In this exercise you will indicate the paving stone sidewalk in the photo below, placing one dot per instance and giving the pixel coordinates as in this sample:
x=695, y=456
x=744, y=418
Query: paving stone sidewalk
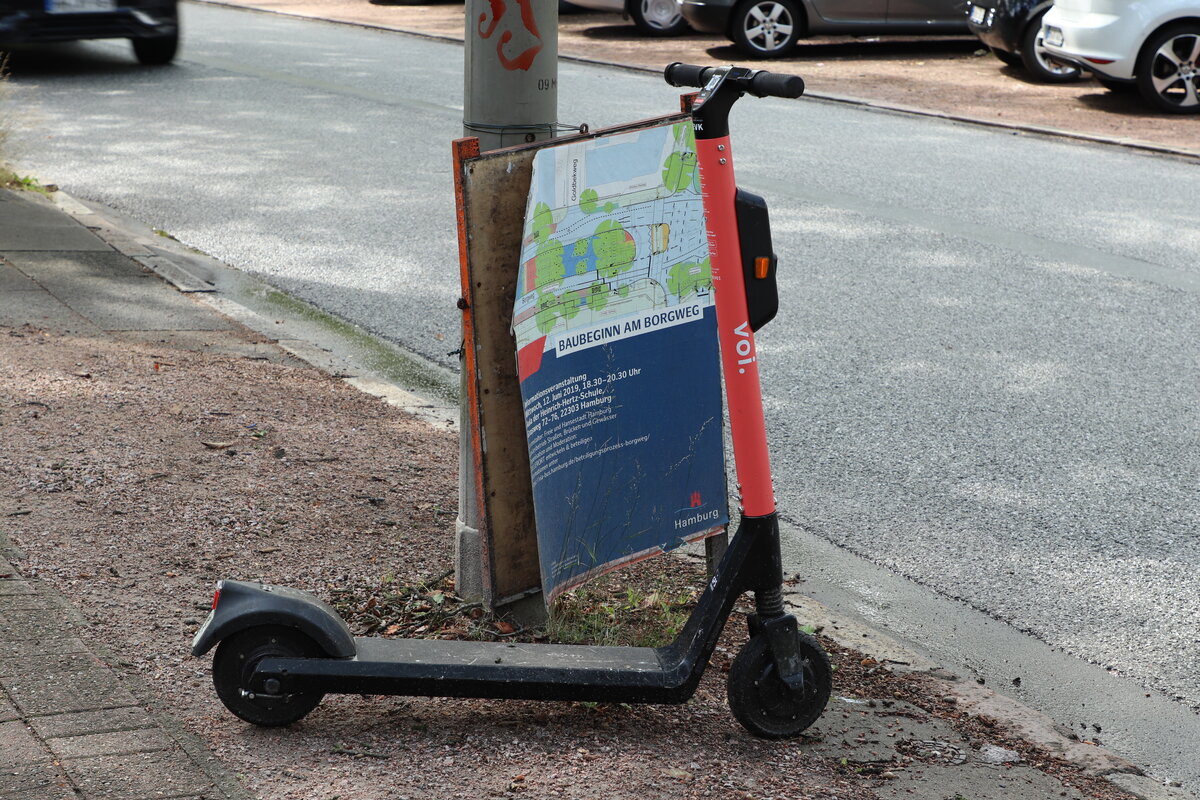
x=70, y=727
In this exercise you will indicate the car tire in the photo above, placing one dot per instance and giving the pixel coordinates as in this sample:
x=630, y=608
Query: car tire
x=153, y=51
x=1011, y=59
x=766, y=28
x=1167, y=69
x=1044, y=67
x=657, y=17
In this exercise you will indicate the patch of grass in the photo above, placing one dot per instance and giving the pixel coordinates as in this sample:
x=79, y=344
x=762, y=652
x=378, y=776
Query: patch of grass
x=632, y=616
x=27, y=183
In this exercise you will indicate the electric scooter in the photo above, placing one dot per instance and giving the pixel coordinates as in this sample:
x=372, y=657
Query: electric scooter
x=280, y=650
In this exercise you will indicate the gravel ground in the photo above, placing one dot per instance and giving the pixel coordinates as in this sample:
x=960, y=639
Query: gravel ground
x=147, y=479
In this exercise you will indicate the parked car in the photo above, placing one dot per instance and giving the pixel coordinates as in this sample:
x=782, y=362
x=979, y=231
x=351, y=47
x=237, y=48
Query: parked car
x=771, y=28
x=1151, y=44
x=1012, y=29
x=152, y=26
x=652, y=17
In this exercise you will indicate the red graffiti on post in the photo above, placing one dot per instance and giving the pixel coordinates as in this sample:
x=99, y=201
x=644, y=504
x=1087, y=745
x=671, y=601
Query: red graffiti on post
x=528, y=27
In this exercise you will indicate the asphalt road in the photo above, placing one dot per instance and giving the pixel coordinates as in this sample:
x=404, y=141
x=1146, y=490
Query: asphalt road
x=985, y=375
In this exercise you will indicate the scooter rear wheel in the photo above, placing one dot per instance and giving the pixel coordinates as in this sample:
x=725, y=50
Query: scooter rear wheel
x=763, y=703
x=233, y=668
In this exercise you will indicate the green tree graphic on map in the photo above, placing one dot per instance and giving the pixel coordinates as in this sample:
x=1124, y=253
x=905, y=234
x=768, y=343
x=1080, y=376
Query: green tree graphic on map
x=580, y=251
x=597, y=296
x=549, y=263
x=678, y=170
x=684, y=279
x=543, y=221
x=547, y=311
x=613, y=248
x=587, y=201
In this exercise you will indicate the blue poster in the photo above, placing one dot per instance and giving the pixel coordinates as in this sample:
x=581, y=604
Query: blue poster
x=617, y=354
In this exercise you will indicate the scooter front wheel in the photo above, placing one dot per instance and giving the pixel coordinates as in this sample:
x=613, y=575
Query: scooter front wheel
x=763, y=703
x=233, y=669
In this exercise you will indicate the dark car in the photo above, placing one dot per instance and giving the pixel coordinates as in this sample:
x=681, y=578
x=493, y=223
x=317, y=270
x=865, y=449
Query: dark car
x=152, y=26
x=1012, y=29
x=771, y=28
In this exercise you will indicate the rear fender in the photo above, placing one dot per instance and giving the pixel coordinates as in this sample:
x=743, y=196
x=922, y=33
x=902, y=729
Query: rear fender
x=243, y=605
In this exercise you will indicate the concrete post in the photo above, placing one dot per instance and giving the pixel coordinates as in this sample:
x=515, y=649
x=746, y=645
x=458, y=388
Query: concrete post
x=511, y=75
x=510, y=97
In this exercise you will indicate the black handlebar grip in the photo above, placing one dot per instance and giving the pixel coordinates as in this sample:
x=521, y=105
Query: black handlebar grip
x=775, y=84
x=687, y=74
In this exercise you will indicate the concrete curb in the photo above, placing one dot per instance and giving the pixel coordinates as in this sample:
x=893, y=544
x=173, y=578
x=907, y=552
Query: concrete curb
x=873, y=105
x=1021, y=721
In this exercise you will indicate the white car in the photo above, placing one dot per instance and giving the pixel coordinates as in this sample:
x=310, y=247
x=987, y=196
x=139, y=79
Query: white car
x=1153, y=44
x=652, y=17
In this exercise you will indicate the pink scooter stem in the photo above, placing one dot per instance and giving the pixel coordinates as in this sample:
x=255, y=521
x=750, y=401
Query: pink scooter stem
x=739, y=356
x=721, y=88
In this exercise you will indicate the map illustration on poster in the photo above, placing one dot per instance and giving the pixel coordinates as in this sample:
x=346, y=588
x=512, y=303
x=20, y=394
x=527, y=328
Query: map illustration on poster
x=617, y=354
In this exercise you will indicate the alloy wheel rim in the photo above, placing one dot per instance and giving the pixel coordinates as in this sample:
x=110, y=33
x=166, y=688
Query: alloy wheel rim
x=1175, y=70
x=660, y=14
x=768, y=25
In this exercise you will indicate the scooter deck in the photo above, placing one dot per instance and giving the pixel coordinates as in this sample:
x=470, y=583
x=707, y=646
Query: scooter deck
x=437, y=668
x=509, y=670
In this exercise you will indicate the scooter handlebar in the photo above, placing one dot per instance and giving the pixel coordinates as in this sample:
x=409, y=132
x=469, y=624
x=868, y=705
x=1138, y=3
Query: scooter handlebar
x=678, y=74
x=760, y=84
x=776, y=84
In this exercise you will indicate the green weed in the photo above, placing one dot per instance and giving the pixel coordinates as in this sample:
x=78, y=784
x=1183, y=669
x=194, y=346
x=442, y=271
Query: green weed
x=25, y=182
x=628, y=616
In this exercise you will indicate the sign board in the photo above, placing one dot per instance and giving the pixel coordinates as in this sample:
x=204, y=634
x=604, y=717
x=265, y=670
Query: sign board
x=617, y=353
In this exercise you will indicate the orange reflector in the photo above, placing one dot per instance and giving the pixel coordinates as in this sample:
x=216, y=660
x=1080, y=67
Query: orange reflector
x=762, y=266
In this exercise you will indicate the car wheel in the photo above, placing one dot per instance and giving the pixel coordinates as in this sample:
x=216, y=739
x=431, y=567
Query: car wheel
x=156, y=50
x=1011, y=59
x=766, y=28
x=1040, y=64
x=1168, y=70
x=657, y=17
